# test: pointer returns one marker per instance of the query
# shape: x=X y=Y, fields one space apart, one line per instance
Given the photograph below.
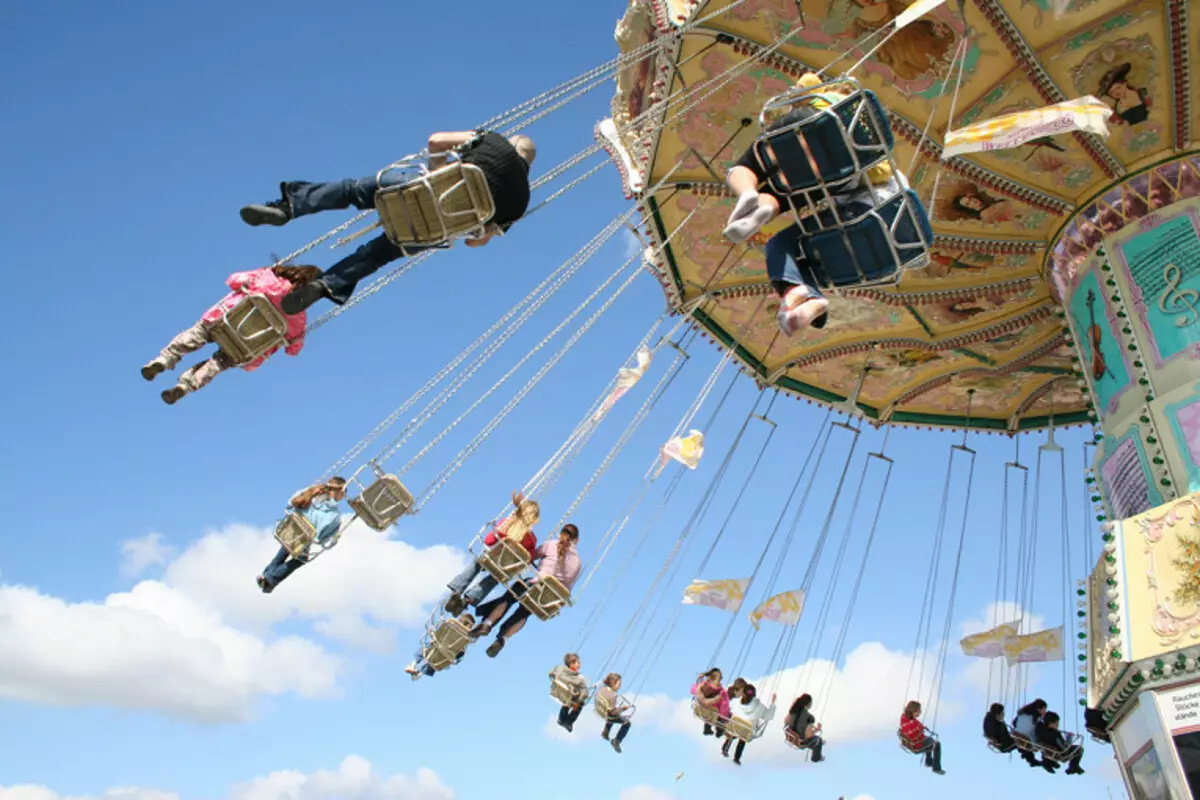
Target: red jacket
x=529 y=542
x=912 y=730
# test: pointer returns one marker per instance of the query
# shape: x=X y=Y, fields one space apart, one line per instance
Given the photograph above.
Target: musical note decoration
x=1181 y=304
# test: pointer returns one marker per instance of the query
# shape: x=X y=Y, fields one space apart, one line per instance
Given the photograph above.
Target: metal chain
x=482 y=436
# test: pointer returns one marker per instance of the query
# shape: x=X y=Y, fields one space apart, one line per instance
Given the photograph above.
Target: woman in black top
x=505 y=164
x=802 y=729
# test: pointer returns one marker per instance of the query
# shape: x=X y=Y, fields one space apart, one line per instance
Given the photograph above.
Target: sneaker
x=276 y=212
x=1075 y=770
x=455 y=604
x=480 y=630
x=737 y=761
x=566 y=726
x=262 y=582
x=604 y=734
x=788 y=318
x=939 y=772
x=495 y=647
x=616 y=745
x=173 y=395
x=818 y=759
x=298 y=300
x=153 y=369
x=412 y=670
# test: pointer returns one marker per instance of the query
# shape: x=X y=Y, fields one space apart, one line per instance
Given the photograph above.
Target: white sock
x=742 y=229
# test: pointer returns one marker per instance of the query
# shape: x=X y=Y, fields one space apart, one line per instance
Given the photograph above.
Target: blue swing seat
x=874 y=247
x=827 y=150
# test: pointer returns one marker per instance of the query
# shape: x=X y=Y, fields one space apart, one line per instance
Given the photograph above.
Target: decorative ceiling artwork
x=981 y=315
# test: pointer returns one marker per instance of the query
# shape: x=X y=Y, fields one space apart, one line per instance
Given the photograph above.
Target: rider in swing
x=505 y=164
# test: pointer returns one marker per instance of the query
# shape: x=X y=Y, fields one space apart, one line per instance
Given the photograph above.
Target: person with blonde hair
x=505 y=164
x=319 y=505
x=274 y=283
x=517 y=528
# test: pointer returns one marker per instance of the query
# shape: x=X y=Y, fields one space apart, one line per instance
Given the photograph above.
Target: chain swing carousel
x=1027 y=257
x=1063 y=283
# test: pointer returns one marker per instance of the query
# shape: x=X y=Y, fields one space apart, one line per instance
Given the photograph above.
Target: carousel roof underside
x=980 y=316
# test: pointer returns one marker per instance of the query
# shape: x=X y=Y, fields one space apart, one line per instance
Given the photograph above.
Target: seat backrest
x=295 y=534
x=382 y=503
x=828 y=149
x=250 y=329
x=546 y=597
x=603 y=705
x=705 y=713
x=562 y=692
x=451 y=636
x=436 y=207
x=874 y=247
x=504 y=560
x=740 y=728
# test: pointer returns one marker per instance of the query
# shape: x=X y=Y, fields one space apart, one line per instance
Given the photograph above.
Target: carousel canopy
x=981 y=315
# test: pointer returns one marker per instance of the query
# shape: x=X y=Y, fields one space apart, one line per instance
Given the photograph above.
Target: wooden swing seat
x=382 y=503
x=742 y=729
x=447 y=642
x=706 y=714
x=565 y=693
x=504 y=560
x=249 y=329
x=436 y=206
x=296 y=534
x=545 y=597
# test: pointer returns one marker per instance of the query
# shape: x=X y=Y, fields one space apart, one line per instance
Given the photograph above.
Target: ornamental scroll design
x=1169 y=624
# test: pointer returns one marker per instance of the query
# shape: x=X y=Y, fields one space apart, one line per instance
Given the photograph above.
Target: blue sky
x=135 y=650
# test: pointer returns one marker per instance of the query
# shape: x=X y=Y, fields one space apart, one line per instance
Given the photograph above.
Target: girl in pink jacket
x=274 y=283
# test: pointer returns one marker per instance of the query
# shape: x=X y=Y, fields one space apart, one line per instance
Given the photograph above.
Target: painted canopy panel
x=980 y=316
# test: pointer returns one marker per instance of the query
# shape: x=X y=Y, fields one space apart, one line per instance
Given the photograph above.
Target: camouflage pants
x=189 y=341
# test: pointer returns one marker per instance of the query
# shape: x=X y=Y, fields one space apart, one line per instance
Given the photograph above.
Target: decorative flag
x=687 y=450
x=1086 y=114
x=990 y=644
x=627 y=378
x=916 y=11
x=1044 y=645
x=726 y=595
x=784 y=608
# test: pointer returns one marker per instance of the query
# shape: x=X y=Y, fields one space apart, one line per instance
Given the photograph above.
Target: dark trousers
x=933 y=753
x=281 y=566
x=620 y=733
x=737 y=750
x=1073 y=754
x=568 y=714
x=507 y=600
x=815 y=744
x=311 y=198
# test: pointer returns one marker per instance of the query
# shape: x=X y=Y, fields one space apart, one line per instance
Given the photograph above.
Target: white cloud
x=138 y=555
x=149 y=648
x=868 y=694
x=198 y=643
x=644 y=792
x=353 y=779
x=29 y=792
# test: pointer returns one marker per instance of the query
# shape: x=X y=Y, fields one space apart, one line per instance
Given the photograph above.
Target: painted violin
x=1099 y=366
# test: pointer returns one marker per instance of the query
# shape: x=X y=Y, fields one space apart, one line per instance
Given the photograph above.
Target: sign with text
x=1180 y=708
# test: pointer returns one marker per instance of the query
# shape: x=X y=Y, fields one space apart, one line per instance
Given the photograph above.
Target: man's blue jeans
x=281 y=566
x=475 y=594
x=311 y=198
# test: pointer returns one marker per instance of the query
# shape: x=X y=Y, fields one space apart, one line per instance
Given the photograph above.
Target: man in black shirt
x=998 y=734
x=505 y=164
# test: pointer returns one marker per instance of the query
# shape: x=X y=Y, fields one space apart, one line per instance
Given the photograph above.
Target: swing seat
x=250 y=329
x=602 y=705
x=875 y=247
x=564 y=693
x=829 y=149
x=296 y=534
x=544 y=597
x=437 y=206
x=382 y=503
x=917 y=750
x=504 y=560
x=447 y=642
x=739 y=728
x=706 y=714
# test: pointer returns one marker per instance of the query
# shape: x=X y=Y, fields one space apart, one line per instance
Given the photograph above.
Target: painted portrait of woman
x=1131 y=104
x=967 y=202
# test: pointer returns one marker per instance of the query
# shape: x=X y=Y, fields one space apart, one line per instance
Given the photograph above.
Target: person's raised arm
x=440 y=143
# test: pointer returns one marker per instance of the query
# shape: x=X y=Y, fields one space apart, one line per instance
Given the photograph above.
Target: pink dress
x=265 y=282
